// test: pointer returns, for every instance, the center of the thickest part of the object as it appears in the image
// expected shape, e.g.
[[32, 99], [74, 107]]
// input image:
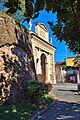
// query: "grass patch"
[[21, 110], [18, 111], [47, 99], [35, 97]]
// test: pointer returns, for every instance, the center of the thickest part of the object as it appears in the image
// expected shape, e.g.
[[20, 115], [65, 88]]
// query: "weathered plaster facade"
[[60, 72], [43, 52]]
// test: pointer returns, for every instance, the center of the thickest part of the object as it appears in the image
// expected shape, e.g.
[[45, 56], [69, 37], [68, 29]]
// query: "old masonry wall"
[[16, 59]]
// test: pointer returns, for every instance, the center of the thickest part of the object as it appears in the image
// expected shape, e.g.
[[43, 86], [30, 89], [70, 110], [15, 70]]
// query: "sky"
[[62, 50]]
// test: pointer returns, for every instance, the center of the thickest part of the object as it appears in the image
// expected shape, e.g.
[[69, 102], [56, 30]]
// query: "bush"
[[35, 91], [47, 99], [18, 111], [49, 86]]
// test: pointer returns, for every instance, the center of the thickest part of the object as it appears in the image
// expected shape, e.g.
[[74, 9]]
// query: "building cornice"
[[40, 24], [42, 40]]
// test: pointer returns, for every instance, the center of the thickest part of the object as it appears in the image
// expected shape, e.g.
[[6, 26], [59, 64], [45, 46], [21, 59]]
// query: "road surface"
[[68, 105], [66, 92]]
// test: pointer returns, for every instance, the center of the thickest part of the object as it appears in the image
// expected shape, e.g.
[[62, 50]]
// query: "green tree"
[[77, 61], [67, 26]]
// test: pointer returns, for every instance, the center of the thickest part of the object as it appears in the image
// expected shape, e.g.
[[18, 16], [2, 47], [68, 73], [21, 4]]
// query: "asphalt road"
[[67, 107], [66, 92]]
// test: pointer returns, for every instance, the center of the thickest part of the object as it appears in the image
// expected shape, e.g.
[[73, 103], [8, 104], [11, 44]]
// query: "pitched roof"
[[70, 57], [60, 63]]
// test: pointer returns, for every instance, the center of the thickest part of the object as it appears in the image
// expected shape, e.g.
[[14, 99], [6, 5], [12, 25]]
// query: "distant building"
[[60, 72], [43, 52], [72, 64], [70, 61]]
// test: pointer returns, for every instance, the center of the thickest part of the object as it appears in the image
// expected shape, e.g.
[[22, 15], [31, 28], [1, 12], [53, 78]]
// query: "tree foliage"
[[67, 26], [77, 61]]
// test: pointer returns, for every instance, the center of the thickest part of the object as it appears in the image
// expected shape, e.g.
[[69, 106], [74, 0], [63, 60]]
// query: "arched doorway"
[[43, 67]]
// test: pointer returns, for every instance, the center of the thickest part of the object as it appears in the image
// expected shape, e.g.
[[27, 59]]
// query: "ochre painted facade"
[[43, 52], [70, 61]]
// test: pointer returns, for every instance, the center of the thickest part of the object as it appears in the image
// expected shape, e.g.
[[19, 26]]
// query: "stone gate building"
[[43, 52]]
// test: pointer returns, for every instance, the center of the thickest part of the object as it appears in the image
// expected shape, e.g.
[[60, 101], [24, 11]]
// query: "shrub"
[[47, 99], [49, 86], [35, 91], [18, 111]]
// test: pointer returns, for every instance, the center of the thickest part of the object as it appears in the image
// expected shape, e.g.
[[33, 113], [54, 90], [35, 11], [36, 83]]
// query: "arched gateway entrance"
[[43, 67], [43, 52]]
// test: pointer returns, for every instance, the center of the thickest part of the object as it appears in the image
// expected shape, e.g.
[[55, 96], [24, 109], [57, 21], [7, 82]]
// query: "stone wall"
[[16, 59]]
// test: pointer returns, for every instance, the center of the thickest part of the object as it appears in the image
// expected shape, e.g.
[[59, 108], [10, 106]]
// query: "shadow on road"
[[67, 90], [61, 110]]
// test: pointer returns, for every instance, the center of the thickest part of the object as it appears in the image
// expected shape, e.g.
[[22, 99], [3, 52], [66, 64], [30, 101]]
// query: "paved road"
[[66, 92], [68, 105]]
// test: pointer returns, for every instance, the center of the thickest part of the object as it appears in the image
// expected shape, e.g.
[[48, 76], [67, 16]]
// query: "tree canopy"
[[77, 61], [67, 26]]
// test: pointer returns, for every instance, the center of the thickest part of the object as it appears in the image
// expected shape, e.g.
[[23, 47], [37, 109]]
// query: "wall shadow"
[[61, 110]]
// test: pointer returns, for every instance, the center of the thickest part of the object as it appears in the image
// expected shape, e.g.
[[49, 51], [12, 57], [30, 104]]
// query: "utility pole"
[[65, 51]]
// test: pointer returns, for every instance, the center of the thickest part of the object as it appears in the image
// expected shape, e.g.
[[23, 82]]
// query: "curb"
[[42, 111]]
